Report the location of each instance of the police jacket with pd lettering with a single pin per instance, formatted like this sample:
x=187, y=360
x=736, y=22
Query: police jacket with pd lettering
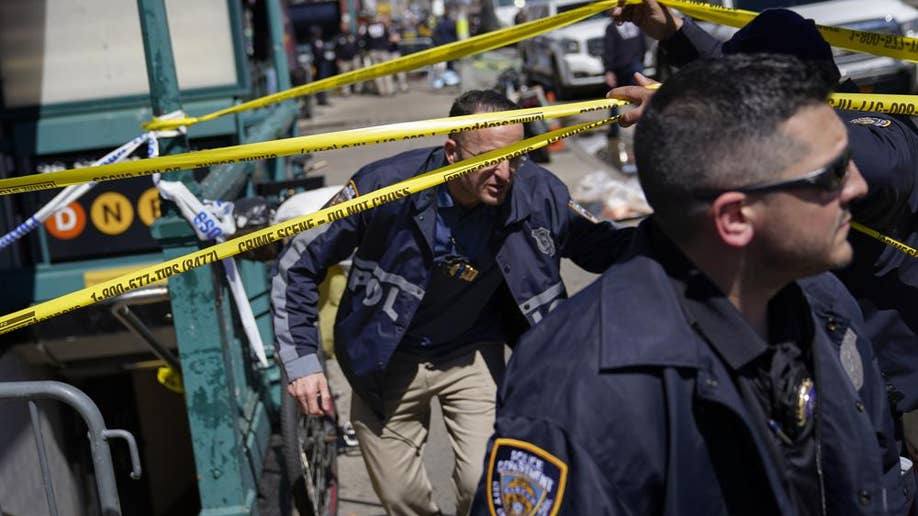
x=539, y=224
x=644, y=416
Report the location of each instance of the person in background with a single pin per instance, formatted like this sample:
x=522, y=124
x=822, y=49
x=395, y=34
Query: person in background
x=395, y=38
x=622, y=58
x=440, y=281
x=885, y=148
x=424, y=26
x=376, y=43
x=347, y=52
x=443, y=34
x=323, y=59
x=736, y=379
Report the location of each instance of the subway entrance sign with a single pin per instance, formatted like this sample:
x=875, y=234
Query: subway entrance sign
x=112, y=219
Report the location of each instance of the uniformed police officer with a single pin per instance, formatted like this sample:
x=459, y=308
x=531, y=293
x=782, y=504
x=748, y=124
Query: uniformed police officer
x=376, y=42
x=347, y=52
x=885, y=149
x=717, y=387
x=439, y=282
x=622, y=57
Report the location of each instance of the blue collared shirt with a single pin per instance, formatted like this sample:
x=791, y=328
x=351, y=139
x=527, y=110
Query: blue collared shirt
x=456, y=311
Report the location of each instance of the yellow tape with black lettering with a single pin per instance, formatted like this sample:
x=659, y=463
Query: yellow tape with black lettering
x=891, y=45
x=299, y=145
x=880, y=103
x=215, y=253
x=894, y=104
x=475, y=45
x=888, y=45
x=891, y=242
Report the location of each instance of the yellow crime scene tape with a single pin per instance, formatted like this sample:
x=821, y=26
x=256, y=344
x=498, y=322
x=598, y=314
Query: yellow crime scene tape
x=891, y=242
x=892, y=104
x=888, y=45
x=899, y=47
x=298, y=145
x=149, y=275
x=475, y=45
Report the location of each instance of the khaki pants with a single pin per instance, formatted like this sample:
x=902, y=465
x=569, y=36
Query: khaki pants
x=402, y=77
x=347, y=65
x=466, y=387
x=384, y=85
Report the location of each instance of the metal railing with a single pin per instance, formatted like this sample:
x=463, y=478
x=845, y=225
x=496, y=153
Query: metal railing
x=109, y=503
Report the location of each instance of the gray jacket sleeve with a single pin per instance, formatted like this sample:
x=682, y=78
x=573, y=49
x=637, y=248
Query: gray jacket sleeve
x=298, y=271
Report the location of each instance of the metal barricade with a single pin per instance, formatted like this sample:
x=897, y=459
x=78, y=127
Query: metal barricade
x=109, y=503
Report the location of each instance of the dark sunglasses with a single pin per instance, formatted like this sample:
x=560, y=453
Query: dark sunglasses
x=830, y=178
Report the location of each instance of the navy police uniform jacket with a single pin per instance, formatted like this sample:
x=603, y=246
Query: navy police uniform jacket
x=883, y=280
x=390, y=271
x=643, y=416
x=623, y=47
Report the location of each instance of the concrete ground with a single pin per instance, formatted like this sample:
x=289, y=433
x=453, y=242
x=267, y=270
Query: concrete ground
x=571, y=164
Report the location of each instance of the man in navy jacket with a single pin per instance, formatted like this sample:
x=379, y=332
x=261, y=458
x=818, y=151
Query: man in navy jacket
x=622, y=57
x=735, y=379
x=439, y=282
x=885, y=148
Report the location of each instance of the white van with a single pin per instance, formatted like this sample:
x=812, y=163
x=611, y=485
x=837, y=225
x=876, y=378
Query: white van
x=871, y=73
x=569, y=59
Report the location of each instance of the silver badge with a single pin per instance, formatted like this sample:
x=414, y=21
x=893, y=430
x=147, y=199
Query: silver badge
x=851, y=359
x=543, y=239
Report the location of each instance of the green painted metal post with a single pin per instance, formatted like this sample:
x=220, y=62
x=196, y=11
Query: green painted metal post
x=278, y=50
x=211, y=363
x=164, y=88
x=281, y=68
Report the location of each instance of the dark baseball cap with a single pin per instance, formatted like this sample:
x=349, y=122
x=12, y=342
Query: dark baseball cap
x=781, y=31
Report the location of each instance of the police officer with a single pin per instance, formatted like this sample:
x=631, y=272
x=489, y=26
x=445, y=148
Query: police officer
x=347, y=52
x=376, y=42
x=395, y=51
x=439, y=282
x=717, y=387
x=323, y=56
x=885, y=149
x=622, y=57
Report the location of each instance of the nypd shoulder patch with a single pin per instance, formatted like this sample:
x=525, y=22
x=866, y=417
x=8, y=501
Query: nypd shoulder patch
x=524, y=480
x=583, y=212
x=871, y=120
x=345, y=194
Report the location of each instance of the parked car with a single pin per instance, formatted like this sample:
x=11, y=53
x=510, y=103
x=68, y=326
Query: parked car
x=871, y=73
